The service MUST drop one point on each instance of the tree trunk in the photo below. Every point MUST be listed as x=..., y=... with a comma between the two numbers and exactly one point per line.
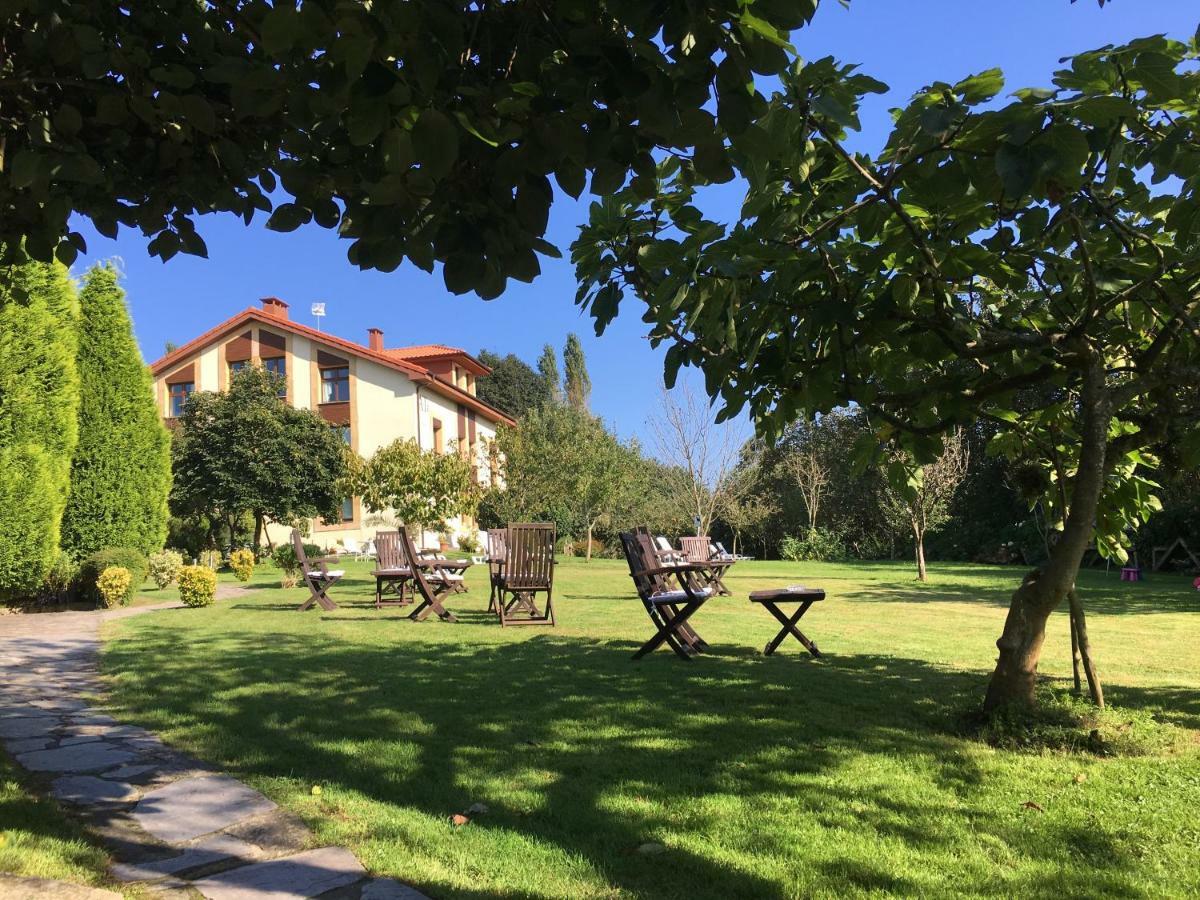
x=1095, y=688
x=589, y=544
x=919, y=542
x=1014, y=680
x=258, y=528
x=1075, y=652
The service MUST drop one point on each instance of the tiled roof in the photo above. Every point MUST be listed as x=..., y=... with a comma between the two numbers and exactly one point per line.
x=423, y=351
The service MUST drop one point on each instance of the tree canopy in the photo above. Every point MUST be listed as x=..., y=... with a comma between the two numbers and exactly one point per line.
x=513, y=387
x=246, y=451
x=1053, y=241
x=419, y=129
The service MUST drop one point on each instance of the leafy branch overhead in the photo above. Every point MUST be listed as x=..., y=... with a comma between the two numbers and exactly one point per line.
x=431, y=131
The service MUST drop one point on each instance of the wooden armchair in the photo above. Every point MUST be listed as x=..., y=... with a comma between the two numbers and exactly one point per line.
x=527, y=570
x=317, y=576
x=670, y=592
x=391, y=574
x=700, y=549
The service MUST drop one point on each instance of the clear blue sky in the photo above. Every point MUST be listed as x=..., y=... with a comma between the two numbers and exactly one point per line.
x=906, y=44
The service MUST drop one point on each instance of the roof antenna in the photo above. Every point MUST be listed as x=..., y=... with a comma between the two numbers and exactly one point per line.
x=318, y=311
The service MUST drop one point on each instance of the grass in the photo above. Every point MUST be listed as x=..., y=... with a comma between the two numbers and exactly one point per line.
x=37, y=840
x=755, y=777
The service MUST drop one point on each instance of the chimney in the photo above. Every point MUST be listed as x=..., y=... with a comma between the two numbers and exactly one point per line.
x=273, y=306
x=375, y=339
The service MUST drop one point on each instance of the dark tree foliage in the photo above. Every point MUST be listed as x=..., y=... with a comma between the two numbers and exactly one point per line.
x=577, y=384
x=513, y=387
x=246, y=451
x=428, y=130
x=121, y=470
x=548, y=368
x=39, y=401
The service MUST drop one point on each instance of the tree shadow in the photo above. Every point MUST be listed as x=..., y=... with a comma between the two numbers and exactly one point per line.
x=577, y=748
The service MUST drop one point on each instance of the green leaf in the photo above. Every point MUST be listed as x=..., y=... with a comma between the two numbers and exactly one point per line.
x=288, y=217
x=67, y=120
x=981, y=87
x=466, y=123
x=764, y=29
x=435, y=139
x=279, y=28
x=571, y=177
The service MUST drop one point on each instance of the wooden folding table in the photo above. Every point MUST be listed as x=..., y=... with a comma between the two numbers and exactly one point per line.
x=772, y=598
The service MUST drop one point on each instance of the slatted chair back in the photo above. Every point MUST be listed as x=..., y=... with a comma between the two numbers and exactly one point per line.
x=529, y=557
x=696, y=549
x=497, y=542
x=387, y=549
x=301, y=556
x=640, y=559
x=410, y=558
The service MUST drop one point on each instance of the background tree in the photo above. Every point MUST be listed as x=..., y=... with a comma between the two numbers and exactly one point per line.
x=121, y=469
x=920, y=499
x=807, y=462
x=577, y=386
x=513, y=386
x=421, y=488
x=706, y=454
x=246, y=451
x=981, y=252
x=39, y=401
x=748, y=507
x=424, y=130
x=562, y=464
x=548, y=369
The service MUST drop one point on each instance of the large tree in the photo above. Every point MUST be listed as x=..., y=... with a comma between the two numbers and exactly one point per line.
x=428, y=130
x=39, y=401
x=562, y=463
x=1050, y=241
x=577, y=384
x=246, y=451
x=548, y=368
x=513, y=386
x=121, y=470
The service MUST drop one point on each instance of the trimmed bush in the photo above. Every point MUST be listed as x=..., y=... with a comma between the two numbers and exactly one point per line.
x=210, y=559
x=165, y=566
x=197, y=586
x=121, y=469
x=122, y=557
x=39, y=402
x=115, y=586
x=284, y=557
x=61, y=580
x=242, y=563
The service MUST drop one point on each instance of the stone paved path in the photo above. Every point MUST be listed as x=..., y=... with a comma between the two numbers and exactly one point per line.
x=174, y=826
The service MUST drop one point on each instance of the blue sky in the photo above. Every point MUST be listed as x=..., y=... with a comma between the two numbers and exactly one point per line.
x=905, y=43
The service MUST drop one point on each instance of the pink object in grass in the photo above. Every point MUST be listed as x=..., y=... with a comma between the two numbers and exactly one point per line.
x=1196, y=584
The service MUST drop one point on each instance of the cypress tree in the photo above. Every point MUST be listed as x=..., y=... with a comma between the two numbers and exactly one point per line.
x=548, y=369
x=39, y=401
x=121, y=471
x=575, y=376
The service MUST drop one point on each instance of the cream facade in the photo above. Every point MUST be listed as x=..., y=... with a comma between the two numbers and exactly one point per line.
x=371, y=394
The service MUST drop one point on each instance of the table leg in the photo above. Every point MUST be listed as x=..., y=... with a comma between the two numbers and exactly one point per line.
x=789, y=627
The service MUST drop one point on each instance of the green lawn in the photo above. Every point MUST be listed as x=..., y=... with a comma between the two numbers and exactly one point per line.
x=761, y=777
x=37, y=839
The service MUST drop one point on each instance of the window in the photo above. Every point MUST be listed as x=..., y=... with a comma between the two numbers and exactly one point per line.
x=438, y=440
x=236, y=367
x=278, y=367
x=179, y=395
x=343, y=432
x=348, y=510
x=335, y=385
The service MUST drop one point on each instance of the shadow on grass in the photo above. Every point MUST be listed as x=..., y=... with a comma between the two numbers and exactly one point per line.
x=599, y=746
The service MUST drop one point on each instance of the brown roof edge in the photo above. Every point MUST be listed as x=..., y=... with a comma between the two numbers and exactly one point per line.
x=413, y=371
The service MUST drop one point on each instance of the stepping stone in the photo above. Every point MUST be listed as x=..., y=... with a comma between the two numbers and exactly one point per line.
x=122, y=773
x=192, y=858
x=191, y=807
x=389, y=889
x=17, y=888
x=78, y=739
x=87, y=790
x=24, y=746
x=33, y=726
x=80, y=758
x=290, y=878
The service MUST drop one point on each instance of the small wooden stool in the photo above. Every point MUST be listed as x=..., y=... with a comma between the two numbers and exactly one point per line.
x=1131, y=573
x=795, y=593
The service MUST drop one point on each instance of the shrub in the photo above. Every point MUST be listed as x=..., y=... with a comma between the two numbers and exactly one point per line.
x=816, y=545
x=165, y=566
x=284, y=557
x=468, y=543
x=60, y=581
x=197, y=586
x=210, y=559
x=115, y=586
x=242, y=563
x=122, y=557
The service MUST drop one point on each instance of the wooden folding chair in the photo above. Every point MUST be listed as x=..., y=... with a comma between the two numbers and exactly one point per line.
x=391, y=574
x=497, y=539
x=702, y=550
x=527, y=571
x=425, y=580
x=669, y=606
x=318, y=577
